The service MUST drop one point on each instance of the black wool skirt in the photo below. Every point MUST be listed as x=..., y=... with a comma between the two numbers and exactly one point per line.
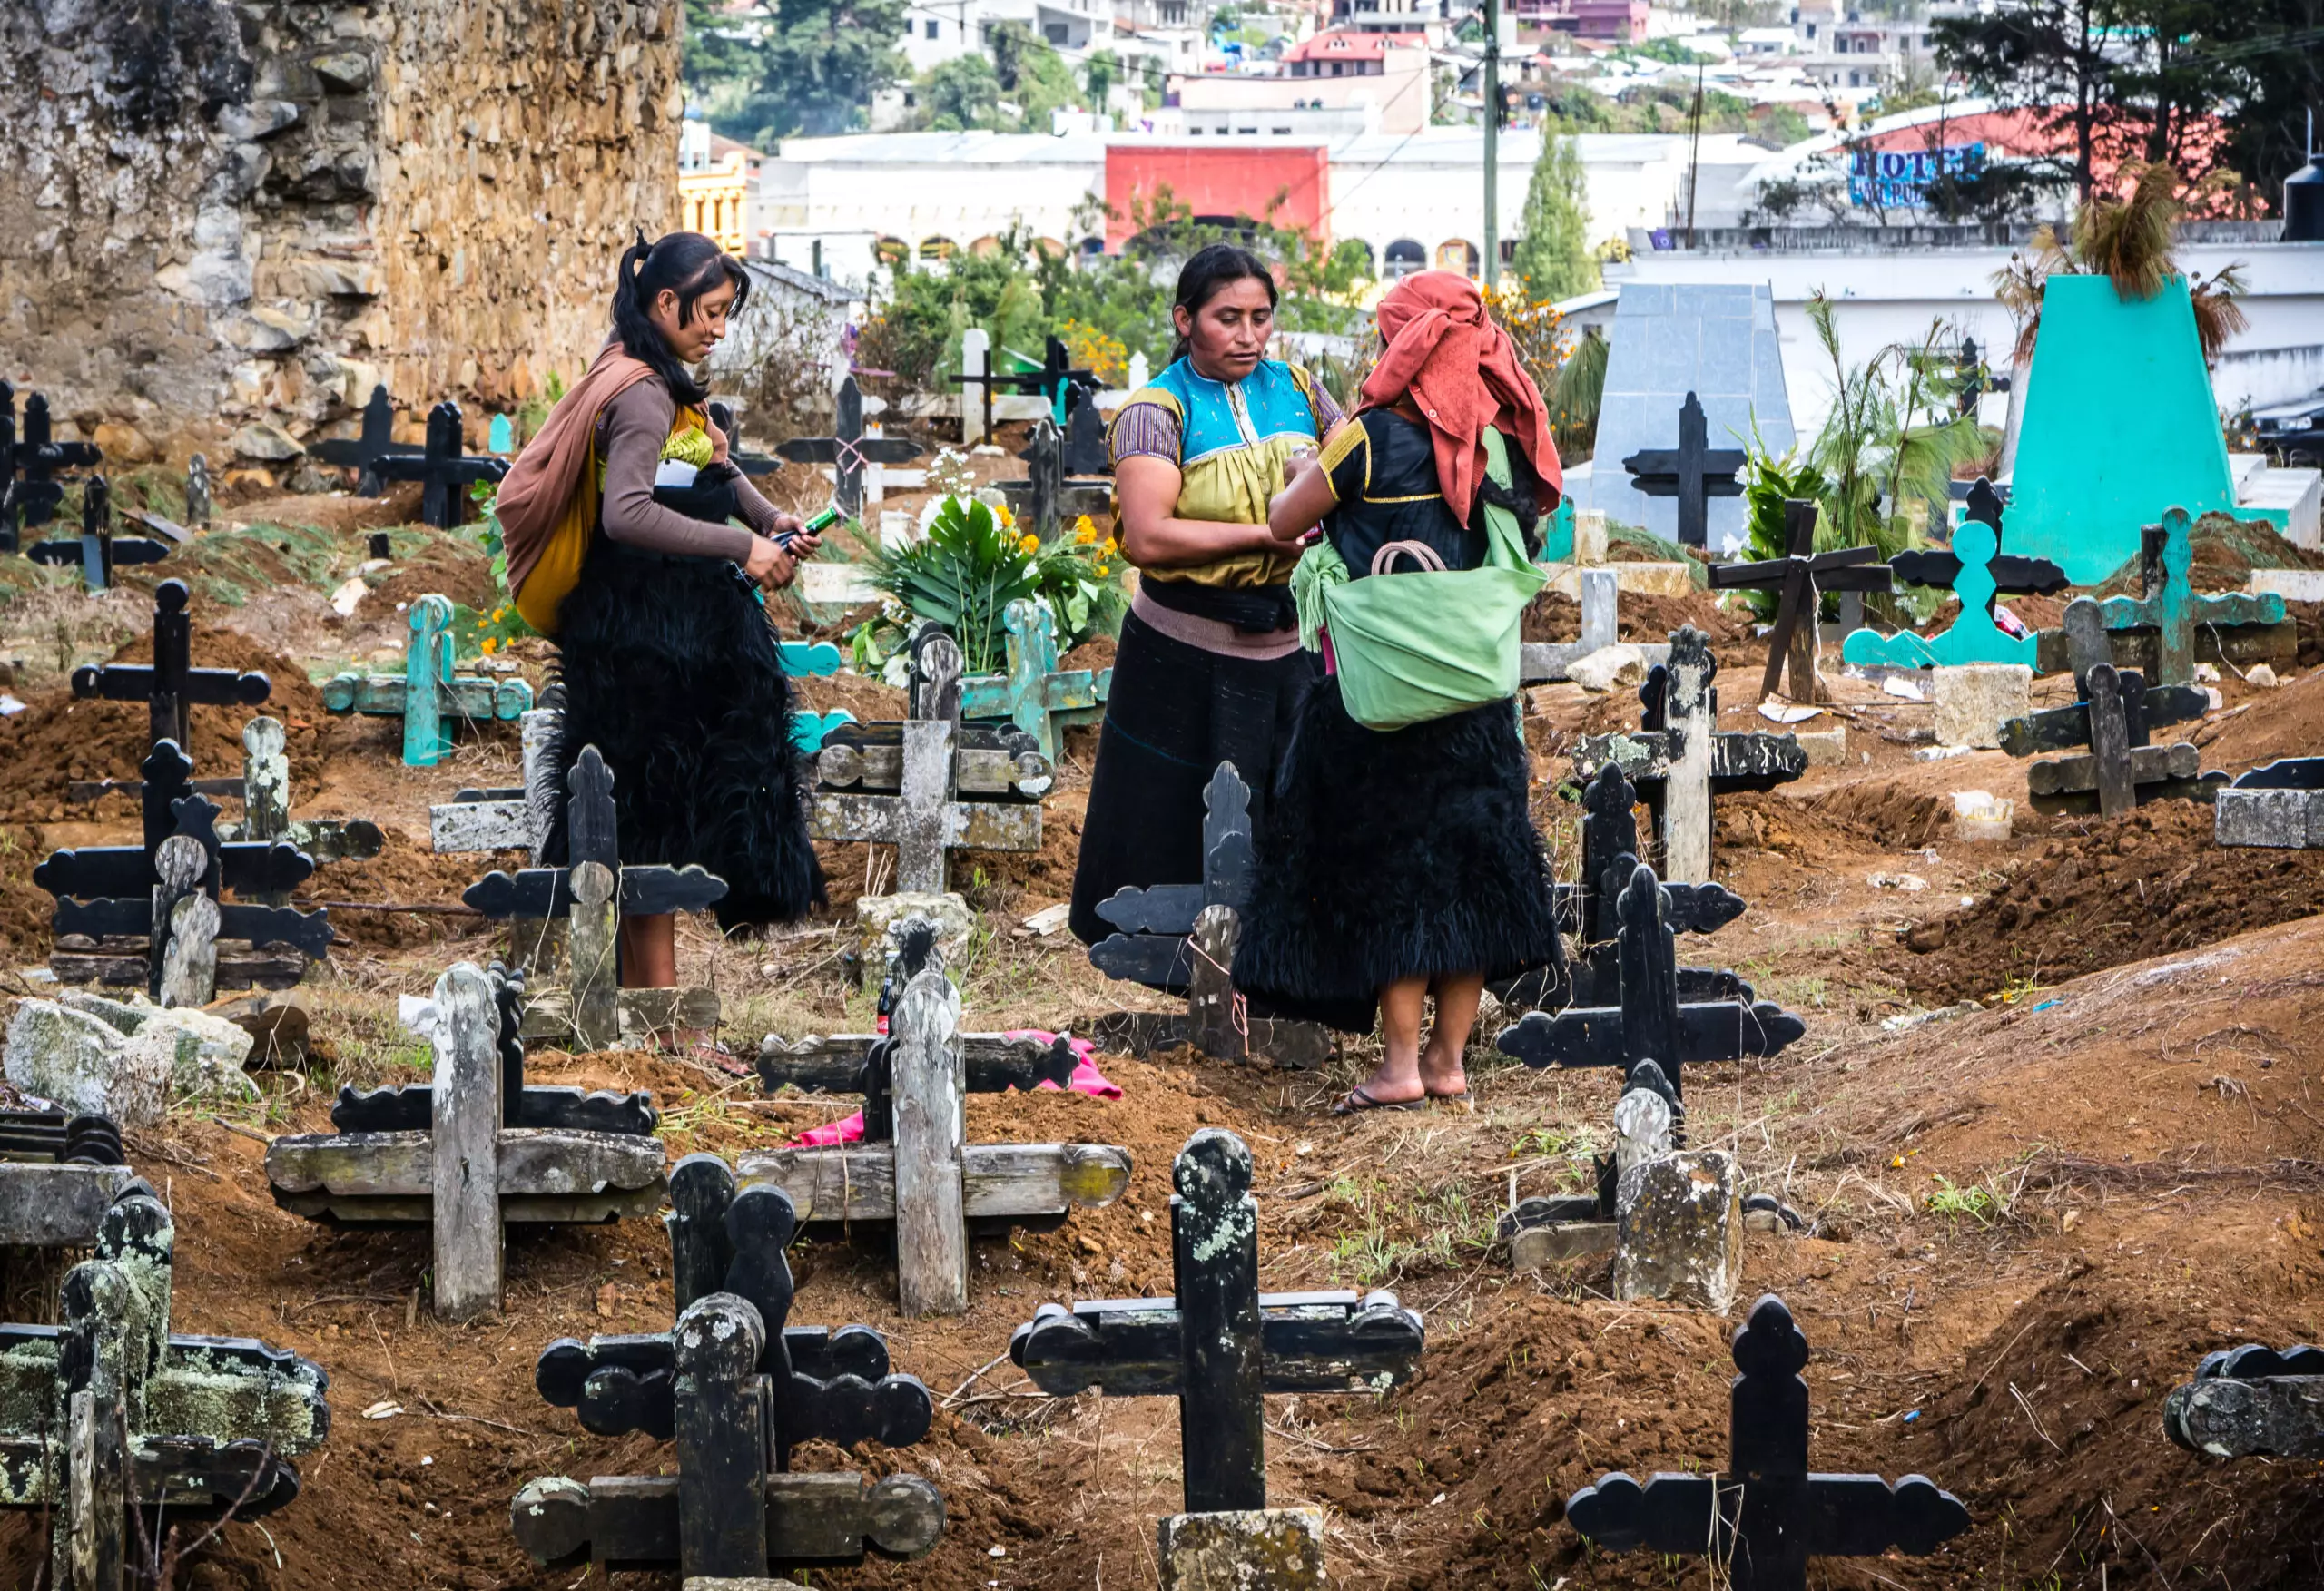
x=669, y=669
x=1394, y=854
x=1175, y=713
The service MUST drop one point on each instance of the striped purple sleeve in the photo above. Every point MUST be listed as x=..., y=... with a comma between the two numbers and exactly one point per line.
x=1327, y=413
x=1146, y=428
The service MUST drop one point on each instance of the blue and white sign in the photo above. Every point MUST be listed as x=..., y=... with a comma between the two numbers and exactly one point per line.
x=1897, y=179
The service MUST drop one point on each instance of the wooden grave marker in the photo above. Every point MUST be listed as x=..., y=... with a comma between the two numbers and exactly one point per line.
x=749, y=462
x=197, y=492
x=1651, y=1023
x=2114, y=713
x=915, y=1166
x=1803, y=575
x=1975, y=637
x=361, y=453
x=594, y=892
x=1035, y=694
x=939, y=766
x=428, y=695
x=446, y=470
x=2249, y=1401
x=1766, y=1515
x=1678, y=759
x=30, y=460
x=58, y=1177
x=2013, y=575
x=1694, y=471
x=847, y=450
x=127, y=914
x=1567, y=1226
x=113, y=1428
x=2279, y=804
x=1049, y=495
x=1542, y=662
x=97, y=550
x=509, y=818
x=1180, y=939
x=1219, y=1344
x=2167, y=614
x=736, y=1389
x=170, y=685
x=473, y=1149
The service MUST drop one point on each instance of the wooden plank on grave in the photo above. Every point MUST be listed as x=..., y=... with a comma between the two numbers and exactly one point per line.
x=533, y=1160
x=1159, y=961
x=857, y=1181
x=833, y=1064
x=516, y=1209
x=2231, y=1416
x=465, y=1161
x=475, y=825
x=877, y=769
x=931, y=1239
x=2277, y=645
x=1310, y=1341
x=465, y=696
x=2072, y=775
x=548, y=1016
x=56, y=1206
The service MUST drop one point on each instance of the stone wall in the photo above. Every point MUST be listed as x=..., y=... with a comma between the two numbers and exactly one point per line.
x=222, y=223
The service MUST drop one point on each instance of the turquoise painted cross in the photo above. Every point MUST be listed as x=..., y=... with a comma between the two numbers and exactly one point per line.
x=2167, y=604
x=1974, y=638
x=427, y=696
x=812, y=660
x=1035, y=694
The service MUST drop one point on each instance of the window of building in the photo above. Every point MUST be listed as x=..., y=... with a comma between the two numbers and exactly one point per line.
x=1404, y=257
x=932, y=26
x=1055, y=32
x=1280, y=130
x=1457, y=254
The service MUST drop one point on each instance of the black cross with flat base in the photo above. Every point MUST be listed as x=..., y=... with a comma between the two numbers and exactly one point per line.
x=1803, y=575
x=97, y=549
x=1610, y=847
x=446, y=471
x=170, y=685
x=1651, y=1023
x=1694, y=471
x=1765, y=1517
x=2013, y=575
x=736, y=1389
x=362, y=452
x=846, y=449
x=1220, y=1344
x=31, y=502
x=2114, y=714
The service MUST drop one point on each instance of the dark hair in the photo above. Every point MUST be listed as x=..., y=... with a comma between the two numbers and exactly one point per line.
x=1211, y=269
x=685, y=263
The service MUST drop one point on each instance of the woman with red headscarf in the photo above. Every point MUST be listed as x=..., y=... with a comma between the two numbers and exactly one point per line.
x=1404, y=863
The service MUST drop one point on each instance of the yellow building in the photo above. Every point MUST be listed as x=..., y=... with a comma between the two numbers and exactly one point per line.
x=716, y=176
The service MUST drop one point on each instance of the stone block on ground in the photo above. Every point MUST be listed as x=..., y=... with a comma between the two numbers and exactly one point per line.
x=1537, y=1247
x=202, y=1054
x=2287, y=818
x=123, y=1016
x=1257, y=1549
x=879, y=915
x=1826, y=748
x=80, y=1063
x=1609, y=668
x=277, y=1020
x=1974, y=700
x=1681, y=1231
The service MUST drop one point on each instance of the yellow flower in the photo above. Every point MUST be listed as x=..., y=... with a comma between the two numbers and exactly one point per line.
x=1101, y=570
x=489, y=646
x=1007, y=520
x=499, y=613
x=1084, y=533
x=1111, y=547
x=1030, y=544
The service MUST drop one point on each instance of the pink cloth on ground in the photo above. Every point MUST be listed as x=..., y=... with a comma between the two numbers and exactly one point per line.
x=1086, y=1079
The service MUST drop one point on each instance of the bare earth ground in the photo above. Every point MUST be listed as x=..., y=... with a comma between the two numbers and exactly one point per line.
x=2029, y=1221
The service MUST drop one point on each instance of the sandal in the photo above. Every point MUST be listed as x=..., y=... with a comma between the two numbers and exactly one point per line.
x=1460, y=1100
x=1355, y=1102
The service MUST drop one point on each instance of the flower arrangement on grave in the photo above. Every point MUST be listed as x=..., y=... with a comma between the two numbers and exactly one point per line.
x=489, y=632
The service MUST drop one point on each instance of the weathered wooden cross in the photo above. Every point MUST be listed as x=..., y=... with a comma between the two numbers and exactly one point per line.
x=148, y=913
x=1694, y=471
x=1651, y=1023
x=736, y=1389
x=938, y=767
x=1180, y=939
x=1049, y=495
x=58, y=1177
x=112, y=1429
x=170, y=685
x=1802, y=573
x=1566, y=1226
x=473, y=1148
x=1541, y=662
x=446, y=469
x=2011, y=574
x=504, y=818
x=2279, y=804
x=1679, y=758
x=34, y=455
x=1219, y=1345
x=915, y=1166
x=97, y=550
x=2252, y=1400
x=1765, y=1516
x=742, y=458
x=2167, y=613
x=427, y=696
x=362, y=452
x=2112, y=714
x=847, y=450
x=1035, y=694
x=594, y=892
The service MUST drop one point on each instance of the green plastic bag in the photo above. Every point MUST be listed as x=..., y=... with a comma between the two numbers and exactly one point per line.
x=1413, y=645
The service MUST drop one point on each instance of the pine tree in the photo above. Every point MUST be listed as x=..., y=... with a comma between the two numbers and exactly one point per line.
x=1553, y=254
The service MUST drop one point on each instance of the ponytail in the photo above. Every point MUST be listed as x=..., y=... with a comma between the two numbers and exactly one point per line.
x=685, y=263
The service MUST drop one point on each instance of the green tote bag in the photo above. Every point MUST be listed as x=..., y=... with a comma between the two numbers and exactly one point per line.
x=1411, y=645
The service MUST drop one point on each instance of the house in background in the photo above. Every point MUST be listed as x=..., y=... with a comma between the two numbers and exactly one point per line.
x=717, y=178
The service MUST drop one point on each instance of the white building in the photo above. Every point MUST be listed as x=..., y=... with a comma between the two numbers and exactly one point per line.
x=937, y=31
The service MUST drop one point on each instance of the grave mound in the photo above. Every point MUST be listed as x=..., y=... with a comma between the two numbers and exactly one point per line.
x=2227, y=549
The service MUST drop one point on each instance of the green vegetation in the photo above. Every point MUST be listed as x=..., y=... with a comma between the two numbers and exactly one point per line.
x=781, y=67
x=1667, y=106
x=1553, y=256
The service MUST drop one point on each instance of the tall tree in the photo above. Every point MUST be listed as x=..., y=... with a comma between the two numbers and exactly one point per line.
x=2045, y=57
x=1553, y=255
x=796, y=66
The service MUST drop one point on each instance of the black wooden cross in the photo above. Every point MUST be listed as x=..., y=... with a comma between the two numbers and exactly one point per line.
x=2250, y=1401
x=740, y=456
x=1220, y=1344
x=1085, y=439
x=109, y=1414
x=170, y=685
x=59, y=1174
x=2114, y=713
x=362, y=453
x=1651, y=1023
x=1694, y=471
x=736, y=1389
x=448, y=471
x=31, y=502
x=1804, y=574
x=2013, y=575
x=1766, y=1515
x=1048, y=494
x=847, y=450
x=96, y=549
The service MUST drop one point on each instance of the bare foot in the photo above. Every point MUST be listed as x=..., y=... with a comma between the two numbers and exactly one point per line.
x=1381, y=1089
x=1443, y=1077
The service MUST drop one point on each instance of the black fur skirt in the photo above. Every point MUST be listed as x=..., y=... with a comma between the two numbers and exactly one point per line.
x=669, y=669
x=1390, y=855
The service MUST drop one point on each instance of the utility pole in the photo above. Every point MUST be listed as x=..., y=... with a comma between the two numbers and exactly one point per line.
x=1493, y=142
x=1694, y=152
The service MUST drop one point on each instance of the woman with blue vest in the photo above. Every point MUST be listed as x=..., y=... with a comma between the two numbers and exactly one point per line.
x=1209, y=667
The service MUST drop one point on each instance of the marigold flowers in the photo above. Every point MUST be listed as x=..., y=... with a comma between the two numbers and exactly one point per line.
x=490, y=645
x=1084, y=532
x=1028, y=543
